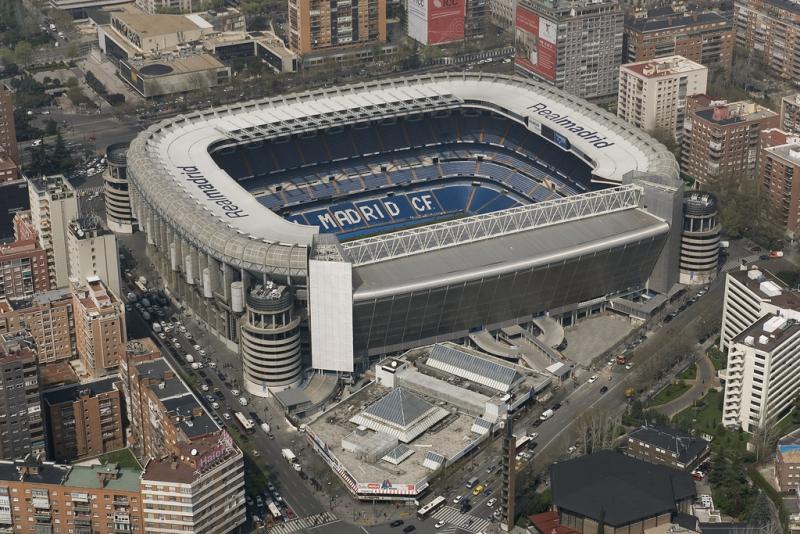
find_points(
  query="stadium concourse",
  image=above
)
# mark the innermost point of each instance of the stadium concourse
(351, 222)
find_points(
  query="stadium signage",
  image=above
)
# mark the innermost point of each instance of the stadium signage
(566, 122)
(196, 177)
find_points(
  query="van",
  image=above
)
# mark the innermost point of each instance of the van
(471, 483)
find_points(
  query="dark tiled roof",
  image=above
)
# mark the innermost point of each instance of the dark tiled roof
(193, 425)
(617, 489)
(655, 23)
(686, 446)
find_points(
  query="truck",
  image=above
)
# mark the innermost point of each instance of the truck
(266, 428)
(288, 455)
(156, 328)
(547, 414)
(776, 254)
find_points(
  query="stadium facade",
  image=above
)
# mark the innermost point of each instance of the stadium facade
(335, 226)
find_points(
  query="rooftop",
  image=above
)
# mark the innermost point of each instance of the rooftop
(400, 413)
(724, 113)
(471, 366)
(75, 391)
(686, 446)
(185, 64)
(768, 332)
(662, 67)
(619, 490)
(675, 21)
(153, 25)
(108, 476)
(768, 287)
(790, 152)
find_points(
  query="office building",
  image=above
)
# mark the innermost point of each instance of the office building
(501, 13)
(666, 446)
(84, 420)
(653, 93)
(432, 22)
(762, 379)
(576, 46)
(21, 428)
(48, 497)
(790, 113)
(771, 27)
(706, 38)
(722, 139)
(23, 263)
(54, 204)
(200, 488)
(8, 130)
(93, 253)
(48, 318)
(779, 177)
(317, 26)
(700, 238)
(99, 327)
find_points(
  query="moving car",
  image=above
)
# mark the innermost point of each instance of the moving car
(592, 379)
(396, 523)
(440, 524)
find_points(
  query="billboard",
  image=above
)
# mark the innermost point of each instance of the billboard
(433, 22)
(536, 43)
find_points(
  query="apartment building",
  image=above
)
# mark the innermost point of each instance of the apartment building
(653, 93)
(47, 497)
(92, 251)
(21, 428)
(99, 327)
(8, 130)
(790, 113)
(9, 171)
(165, 6)
(54, 204)
(779, 177)
(787, 463)
(722, 139)
(772, 29)
(198, 489)
(48, 319)
(576, 46)
(318, 26)
(23, 269)
(705, 37)
(84, 420)
(666, 446)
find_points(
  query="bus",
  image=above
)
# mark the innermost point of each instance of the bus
(427, 510)
(244, 422)
(276, 514)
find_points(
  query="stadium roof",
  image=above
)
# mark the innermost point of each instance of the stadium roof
(472, 367)
(170, 165)
(507, 253)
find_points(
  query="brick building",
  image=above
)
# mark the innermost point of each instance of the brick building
(8, 169)
(47, 497)
(706, 38)
(771, 27)
(48, 318)
(99, 327)
(779, 178)
(667, 446)
(84, 420)
(787, 463)
(21, 429)
(722, 139)
(23, 263)
(8, 130)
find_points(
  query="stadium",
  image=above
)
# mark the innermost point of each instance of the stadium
(328, 228)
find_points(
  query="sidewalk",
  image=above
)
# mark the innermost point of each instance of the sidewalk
(706, 379)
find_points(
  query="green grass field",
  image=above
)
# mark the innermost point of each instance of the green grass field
(669, 393)
(705, 416)
(122, 457)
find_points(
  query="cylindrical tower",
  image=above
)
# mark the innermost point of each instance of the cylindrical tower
(270, 340)
(700, 238)
(119, 215)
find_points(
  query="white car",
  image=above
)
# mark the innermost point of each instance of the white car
(440, 524)
(458, 499)
(215, 405)
(204, 387)
(491, 502)
(213, 365)
(235, 392)
(534, 435)
(610, 363)
(243, 401)
(628, 366)
(226, 416)
(196, 347)
(592, 379)
(297, 467)
(572, 449)
(201, 352)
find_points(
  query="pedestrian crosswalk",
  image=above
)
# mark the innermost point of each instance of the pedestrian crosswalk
(455, 519)
(303, 524)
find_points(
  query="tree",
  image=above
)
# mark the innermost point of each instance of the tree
(39, 161)
(23, 53)
(61, 158)
(666, 138)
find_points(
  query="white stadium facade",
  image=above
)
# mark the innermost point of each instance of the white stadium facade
(328, 228)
